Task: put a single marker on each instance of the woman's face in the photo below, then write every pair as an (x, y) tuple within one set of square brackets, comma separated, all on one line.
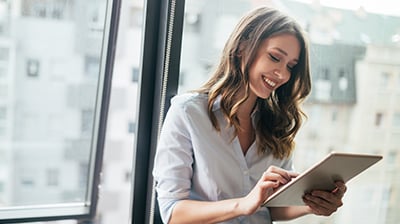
[(273, 64)]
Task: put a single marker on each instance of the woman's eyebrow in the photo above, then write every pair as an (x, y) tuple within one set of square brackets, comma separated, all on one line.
[(280, 50), (284, 52)]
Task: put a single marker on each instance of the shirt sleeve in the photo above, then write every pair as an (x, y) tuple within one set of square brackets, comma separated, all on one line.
[(173, 161)]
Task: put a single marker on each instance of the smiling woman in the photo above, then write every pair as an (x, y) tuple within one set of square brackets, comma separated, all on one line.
[(238, 117)]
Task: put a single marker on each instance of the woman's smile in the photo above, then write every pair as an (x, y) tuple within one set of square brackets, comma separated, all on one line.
[(271, 84)]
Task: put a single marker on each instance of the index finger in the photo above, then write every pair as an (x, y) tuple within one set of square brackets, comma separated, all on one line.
[(288, 175)]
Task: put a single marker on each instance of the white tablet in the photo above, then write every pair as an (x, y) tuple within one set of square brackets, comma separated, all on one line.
[(322, 176)]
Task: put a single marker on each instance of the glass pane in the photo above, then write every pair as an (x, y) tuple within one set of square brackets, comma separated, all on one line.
[(355, 51), (116, 188), (51, 82)]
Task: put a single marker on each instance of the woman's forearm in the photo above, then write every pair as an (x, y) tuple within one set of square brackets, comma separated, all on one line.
[(190, 211)]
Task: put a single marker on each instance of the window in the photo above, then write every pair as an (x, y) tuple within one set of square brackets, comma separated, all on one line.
[(378, 119), (132, 127), (91, 66), (396, 120), (52, 177), (4, 54), (384, 80), (32, 68), (323, 85), (86, 122), (54, 9), (52, 130), (4, 91), (335, 115), (3, 113), (135, 74), (392, 157), (343, 83)]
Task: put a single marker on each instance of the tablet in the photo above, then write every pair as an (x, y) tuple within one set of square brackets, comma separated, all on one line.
[(322, 176)]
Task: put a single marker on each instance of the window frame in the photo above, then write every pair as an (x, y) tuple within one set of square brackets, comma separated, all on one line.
[(162, 40)]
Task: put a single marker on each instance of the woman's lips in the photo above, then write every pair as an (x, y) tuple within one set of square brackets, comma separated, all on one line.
[(269, 82)]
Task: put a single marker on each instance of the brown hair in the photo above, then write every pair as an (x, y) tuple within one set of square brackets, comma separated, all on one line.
[(280, 114)]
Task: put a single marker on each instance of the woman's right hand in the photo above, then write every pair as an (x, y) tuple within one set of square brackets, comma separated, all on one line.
[(273, 178)]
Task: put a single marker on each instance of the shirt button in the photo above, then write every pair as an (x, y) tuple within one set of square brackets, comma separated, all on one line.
[(246, 172)]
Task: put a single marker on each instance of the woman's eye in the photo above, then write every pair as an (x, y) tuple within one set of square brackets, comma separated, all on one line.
[(290, 68), (274, 58)]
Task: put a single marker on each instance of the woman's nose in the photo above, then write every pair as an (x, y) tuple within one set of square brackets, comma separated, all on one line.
[(280, 74)]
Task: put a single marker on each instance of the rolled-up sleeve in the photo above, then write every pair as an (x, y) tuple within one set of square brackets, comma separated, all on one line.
[(173, 161)]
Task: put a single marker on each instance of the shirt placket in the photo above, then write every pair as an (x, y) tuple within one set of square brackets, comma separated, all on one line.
[(245, 174)]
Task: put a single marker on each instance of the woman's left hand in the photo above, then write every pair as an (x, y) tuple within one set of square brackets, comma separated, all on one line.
[(324, 202)]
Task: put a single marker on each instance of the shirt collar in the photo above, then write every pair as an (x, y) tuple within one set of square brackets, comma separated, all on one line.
[(217, 104)]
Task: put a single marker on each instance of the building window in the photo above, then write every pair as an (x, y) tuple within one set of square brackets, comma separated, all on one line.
[(378, 119), (3, 113), (3, 131), (83, 174), (4, 54), (135, 74), (32, 68), (335, 114), (92, 66), (27, 182), (52, 177), (86, 122), (396, 120), (343, 82), (398, 83), (54, 9), (3, 71), (323, 85), (3, 91), (325, 73), (132, 127), (392, 157), (384, 80)]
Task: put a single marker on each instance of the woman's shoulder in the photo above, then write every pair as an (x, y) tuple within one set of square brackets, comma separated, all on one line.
[(190, 100)]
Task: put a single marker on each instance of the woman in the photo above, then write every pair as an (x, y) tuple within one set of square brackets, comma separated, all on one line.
[(226, 147)]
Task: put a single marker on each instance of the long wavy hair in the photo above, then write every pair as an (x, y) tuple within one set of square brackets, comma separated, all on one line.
[(280, 115)]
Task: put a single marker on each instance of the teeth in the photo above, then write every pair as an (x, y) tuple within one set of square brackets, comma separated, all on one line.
[(270, 82)]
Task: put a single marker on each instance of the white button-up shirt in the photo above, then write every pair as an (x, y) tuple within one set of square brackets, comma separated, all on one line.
[(195, 161)]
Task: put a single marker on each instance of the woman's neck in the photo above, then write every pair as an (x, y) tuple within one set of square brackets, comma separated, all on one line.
[(246, 108)]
